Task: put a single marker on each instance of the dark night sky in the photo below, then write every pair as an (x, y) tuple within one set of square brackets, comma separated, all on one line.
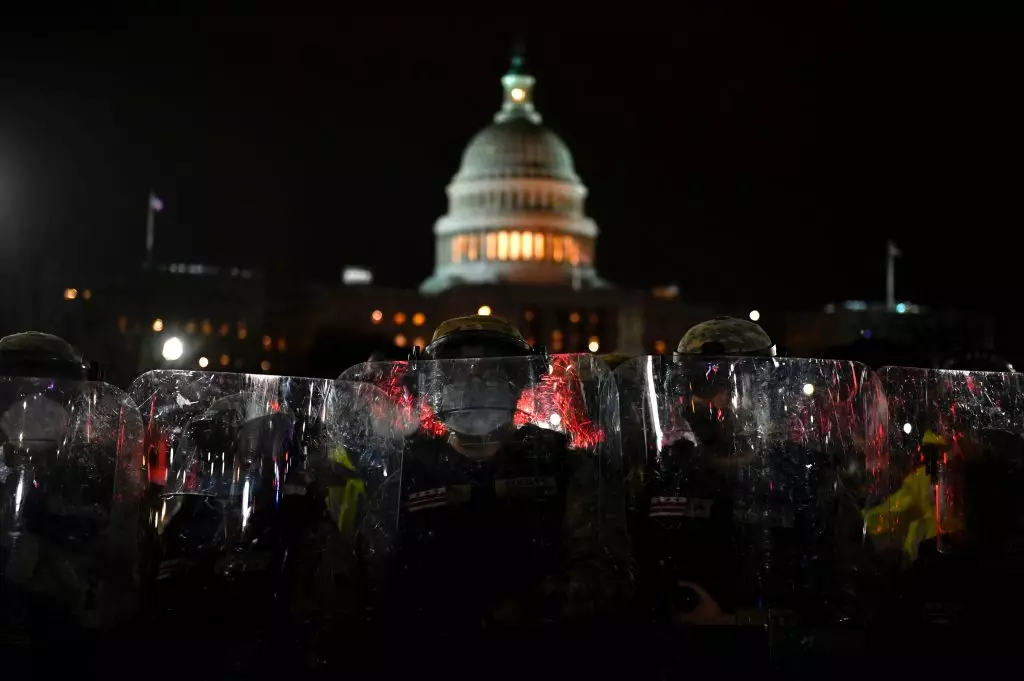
[(739, 152)]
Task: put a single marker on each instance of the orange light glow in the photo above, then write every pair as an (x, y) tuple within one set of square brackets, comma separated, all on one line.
[(502, 245)]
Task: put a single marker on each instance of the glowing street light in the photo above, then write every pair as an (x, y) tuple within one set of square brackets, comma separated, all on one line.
[(173, 349), (808, 389), (204, 362), (754, 315), (484, 310)]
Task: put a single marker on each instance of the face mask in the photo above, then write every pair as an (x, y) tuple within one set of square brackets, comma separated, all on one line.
[(478, 422), (478, 406)]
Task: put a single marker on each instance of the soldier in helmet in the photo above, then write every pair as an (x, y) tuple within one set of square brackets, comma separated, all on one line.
[(52, 526), (43, 355), (499, 520), (684, 500)]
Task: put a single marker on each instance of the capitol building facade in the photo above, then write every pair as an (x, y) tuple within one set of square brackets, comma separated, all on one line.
[(516, 241), (516, 206)]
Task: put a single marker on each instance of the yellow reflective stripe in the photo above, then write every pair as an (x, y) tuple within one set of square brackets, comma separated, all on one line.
[(340, 456), (343, 504)]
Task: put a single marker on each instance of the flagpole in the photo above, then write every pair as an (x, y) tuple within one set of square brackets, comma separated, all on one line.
[(150, 228), (890, 275)]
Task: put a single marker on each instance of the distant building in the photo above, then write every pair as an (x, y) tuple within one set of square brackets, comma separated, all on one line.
[(516, 242), (516, 206)]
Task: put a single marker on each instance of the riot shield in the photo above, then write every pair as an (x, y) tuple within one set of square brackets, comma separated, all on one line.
[(508, 516), (70, 489), (231, 462), (746, 479), (956, 515)]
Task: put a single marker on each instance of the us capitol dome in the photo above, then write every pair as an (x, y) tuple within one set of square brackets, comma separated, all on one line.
[(515, 207)]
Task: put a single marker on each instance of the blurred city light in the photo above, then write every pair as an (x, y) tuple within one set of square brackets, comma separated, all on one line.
[(173, 349)]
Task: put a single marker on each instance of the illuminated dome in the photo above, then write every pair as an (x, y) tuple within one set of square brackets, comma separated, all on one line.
[(518, 147), (516, 206)]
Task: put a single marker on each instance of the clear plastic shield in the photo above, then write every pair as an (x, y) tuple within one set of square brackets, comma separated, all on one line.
[(956, 514), (746, 481), (70, 489), (230, 461), (506, 500)]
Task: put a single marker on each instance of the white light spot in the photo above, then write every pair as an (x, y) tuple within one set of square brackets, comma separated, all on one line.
[(555, 420), (518, 94), (907, 428), (594, 346), (173, 349), (754, 315), (808, 389), (484, 310), (204, 362)]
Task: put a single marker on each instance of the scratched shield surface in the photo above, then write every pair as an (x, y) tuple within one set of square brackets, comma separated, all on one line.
[(228, 460), (956, 513), (746, 482), (524, 441), (70, 488)]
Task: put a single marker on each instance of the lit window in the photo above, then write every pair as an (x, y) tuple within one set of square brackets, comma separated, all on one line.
[(225, 329), (557, 248), (399, 318), (282, 345), (574, 317), (265, 365), (122, 324), (492, 246), (207, 327), (659, 347), (572, 250), (473, 250), (538, 246), (419, 342), (557, 343), (203, 362), (527, 245), (458, 248), (190, 327), (158, 325), (513, 246), (594, 345), (87, 294), (401, 340), (376, 316), (224, 360), (528, 315), (502, 245), (243, 330), (419, 319), (266, 342), (70, 293), (484, 311)]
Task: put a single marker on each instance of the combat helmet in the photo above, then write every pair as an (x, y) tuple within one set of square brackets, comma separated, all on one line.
[(43, 355), (724, 336), (476, 336)]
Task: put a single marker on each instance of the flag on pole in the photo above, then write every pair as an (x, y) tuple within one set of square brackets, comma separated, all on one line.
[(893, 251), (155, 203)]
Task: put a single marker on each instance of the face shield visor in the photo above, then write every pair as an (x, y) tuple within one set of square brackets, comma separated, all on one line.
[(477, 398)]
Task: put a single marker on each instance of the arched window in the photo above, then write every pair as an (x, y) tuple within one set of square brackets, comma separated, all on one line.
[(538, 246), (514, 244)]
